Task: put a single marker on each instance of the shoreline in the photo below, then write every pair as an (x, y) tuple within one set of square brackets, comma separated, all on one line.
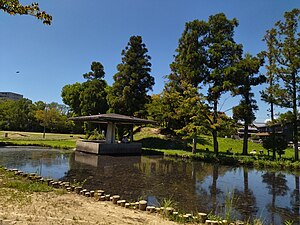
[(251, 161), (28, 201)]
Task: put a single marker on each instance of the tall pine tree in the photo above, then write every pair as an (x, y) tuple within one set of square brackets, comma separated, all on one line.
[(205, 52), (285, 49), (245, 79), (128, 94)]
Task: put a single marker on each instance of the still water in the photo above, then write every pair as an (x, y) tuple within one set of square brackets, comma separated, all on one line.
[(273, 197)]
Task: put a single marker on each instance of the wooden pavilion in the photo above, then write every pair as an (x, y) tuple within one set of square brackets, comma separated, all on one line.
[(110, 146)]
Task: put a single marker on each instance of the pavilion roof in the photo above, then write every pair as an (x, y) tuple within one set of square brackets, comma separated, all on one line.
[(111, 117)]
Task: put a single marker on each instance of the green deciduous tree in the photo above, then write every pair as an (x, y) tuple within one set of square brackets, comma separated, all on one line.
[(128, 94), (93, 94), (53, 118), (93, 97), (17, 115), (14, 7), (87, 98), (70, 95), (155, 109), (23, 115), (284, 47), (185, 111), (245, 78)]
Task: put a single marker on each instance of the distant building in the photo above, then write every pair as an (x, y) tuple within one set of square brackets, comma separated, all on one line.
[(252, 130), (10, 95), (285, 130)]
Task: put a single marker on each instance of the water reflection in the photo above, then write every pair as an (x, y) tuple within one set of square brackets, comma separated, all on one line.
[(46, 162), (195, 186)]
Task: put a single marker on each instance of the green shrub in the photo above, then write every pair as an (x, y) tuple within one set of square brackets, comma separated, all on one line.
[(95, 135)]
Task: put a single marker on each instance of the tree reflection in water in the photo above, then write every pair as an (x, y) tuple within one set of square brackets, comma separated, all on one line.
[(195, 186)]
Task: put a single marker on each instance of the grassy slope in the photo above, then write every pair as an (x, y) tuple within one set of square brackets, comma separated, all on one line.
[(153, 139)]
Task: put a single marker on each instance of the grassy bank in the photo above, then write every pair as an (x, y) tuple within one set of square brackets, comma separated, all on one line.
[(9, 181), (155, 139)]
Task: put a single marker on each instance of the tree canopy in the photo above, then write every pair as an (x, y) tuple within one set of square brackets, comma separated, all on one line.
[(283, 43), (244, 76), (88, 98), (14, 7), (23, 115), (128, 94), (205, 53)]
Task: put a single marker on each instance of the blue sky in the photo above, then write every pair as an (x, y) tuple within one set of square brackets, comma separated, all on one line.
[(49, 57)]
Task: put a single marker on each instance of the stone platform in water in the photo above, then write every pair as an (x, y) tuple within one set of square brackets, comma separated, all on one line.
[(102, 148)]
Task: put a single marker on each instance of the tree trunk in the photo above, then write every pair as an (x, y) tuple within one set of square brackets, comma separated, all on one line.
[(245, 142), (194, 145), (215, 132), (215, 141), (295, 127), (272, 119), (295, 118)]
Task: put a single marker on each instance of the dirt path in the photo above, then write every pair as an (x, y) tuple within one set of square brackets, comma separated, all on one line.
[(50, 208)]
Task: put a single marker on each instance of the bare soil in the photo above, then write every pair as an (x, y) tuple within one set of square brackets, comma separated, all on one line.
[(51, 208)]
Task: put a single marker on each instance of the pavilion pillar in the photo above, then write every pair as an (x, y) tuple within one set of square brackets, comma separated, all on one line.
[(110, 133), (131, 133)]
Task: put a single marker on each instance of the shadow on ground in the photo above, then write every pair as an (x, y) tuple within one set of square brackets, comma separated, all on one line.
[(170, 144), (158, 143)]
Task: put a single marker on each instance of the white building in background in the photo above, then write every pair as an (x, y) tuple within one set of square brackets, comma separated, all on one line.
[(10, 95)]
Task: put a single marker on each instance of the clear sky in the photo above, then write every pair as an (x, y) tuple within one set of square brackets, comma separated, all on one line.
[(50, 57)]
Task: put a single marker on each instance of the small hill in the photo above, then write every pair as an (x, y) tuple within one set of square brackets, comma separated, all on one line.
[(163, 139)]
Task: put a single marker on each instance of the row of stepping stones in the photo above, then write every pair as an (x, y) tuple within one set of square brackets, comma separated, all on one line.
[(100, 195)]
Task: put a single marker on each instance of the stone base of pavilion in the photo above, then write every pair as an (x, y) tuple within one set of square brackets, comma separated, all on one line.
[(103, 148)]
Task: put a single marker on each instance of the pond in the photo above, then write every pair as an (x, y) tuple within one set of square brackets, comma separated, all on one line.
[(271, 196)]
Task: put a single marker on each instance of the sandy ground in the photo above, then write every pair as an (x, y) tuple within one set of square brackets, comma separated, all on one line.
[(50, 208)]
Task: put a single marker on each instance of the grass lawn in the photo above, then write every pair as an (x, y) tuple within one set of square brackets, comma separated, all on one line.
[(151, 138), (63, 141)]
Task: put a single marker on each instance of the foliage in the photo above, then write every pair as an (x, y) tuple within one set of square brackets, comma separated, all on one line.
[(155, 109), (276, 143), (228, 206), (128, 94), (52, 118), (205, 53), (267, 95), (95, 135), (97, 72), (244, 77), (14, 7), (87, 98), (284, 118), (93, 97), (17, 115), (23, 115), (284, 50), (70, 96)]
